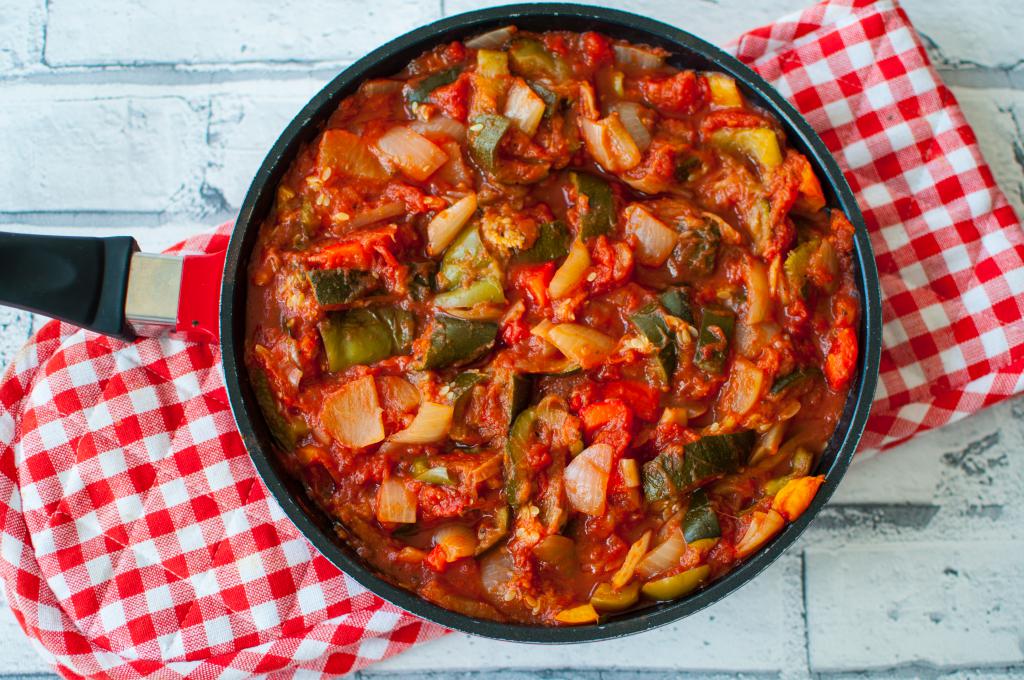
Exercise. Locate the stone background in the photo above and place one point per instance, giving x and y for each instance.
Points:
(149, 117)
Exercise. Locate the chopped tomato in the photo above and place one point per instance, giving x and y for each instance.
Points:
(643, 399)
(453, 98)
(842, 358)
(534, 280)
(597, 49)
(679, 93)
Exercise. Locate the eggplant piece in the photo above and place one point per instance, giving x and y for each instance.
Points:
(700, 521)
(340, 286)
(454, 340)
(420, 92)
(713, 340)
(599, 217)
(552, 244)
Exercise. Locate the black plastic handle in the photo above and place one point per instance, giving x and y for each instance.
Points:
(82, 280)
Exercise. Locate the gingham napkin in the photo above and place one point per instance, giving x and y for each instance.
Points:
(137, 540)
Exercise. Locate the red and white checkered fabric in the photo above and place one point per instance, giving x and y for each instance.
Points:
(136, 539)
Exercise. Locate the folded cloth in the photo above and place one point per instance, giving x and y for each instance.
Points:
(137, 541)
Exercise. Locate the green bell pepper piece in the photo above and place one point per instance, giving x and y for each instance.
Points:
(712, 349)
(469, 274)
(599, 217)
(365, 335)
(454, 340)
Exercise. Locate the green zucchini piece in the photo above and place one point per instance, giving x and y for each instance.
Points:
(529, 58)
(365, 335)
(420, 92)
(515, 396)
(657, 483)
(454, 340)
(700, 520)
(469, 274)
(462, 384)
(485, 134)
(599, 217)
(340, 286)
(713, 340)
(650, 320)
(697, 253)
(552, 244)
(794, 378)
(677, 303)
(551, 100)
(517, 467)
(421, 280)
(712, 456)
(285, 431)
(435, 475)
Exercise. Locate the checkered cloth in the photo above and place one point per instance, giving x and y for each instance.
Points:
(136, 539)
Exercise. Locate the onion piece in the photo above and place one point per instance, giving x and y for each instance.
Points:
(759, 298)
(570, 274)
(654, 240)
(763, 526)
(625, 572)
(496, 573)
(491, 39)
(352, 414)
(346, 153)
(413, 153)
(586, 479)
(610, 144)
(457, 541)
(629, 114)
(524, 107)
(385, 211)
(582, 344)
(395, 502)
(630, 471)
(637, 58)
(431, 424)
(440, 125)
(447, 224)
(666, 556)
(744, 387)
(397, 394)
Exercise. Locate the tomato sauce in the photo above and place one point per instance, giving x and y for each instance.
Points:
(552, 329)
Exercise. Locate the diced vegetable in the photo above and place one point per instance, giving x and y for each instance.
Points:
(585, 613)
(395, 502)
(794, 378)
(492, 63)
(582, 344)
(610, 143)
(664, 557)
(469, 274)
(352, 414)
(712, 349)
(794, 498)
(456, 540)
(514, 395)
(759, 299)
(496, 573)
(745, 386)
(411, 152)
(637, 58)
(438, 476)
(570, 274)
(454, 340)
(630, 471)
(552, 243)
(701, 461)
(524, 107)
(340, 286)
(700, 521)
(430, 425)
(286, 430)
(551, 100)
(440, 125)
(629, 114)
(697, 254)
(420, 93)
(384, 211)
(636, 553)
(447, 224)
(586, 479)
(760, 145)
(492, 529)
(677, 304)
(654, 240)
(558, 552)
(485, 133)
(517, 479)
(491, 40)
(365, 335)
(674, 587)
(607, 599)
(650, 320)
(724, 93)
(598, 215)
(762, 528)
(532, 60)
(348, 154)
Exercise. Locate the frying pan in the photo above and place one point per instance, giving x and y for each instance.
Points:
(106, 286)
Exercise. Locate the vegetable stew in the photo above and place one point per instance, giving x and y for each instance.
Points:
(552, 329)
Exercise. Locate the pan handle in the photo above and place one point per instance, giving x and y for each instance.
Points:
(107, 286)
(81, 280)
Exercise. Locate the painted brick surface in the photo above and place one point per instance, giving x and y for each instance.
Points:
(944, 604)
(21, 33)
(90, 32)
(121, 153)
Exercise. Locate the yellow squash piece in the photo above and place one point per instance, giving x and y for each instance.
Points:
(585, 613)
(678, 585)
(607, 599)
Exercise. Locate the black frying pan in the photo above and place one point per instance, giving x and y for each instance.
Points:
(88, 283)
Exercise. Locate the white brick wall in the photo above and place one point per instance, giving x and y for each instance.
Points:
(149, 117)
